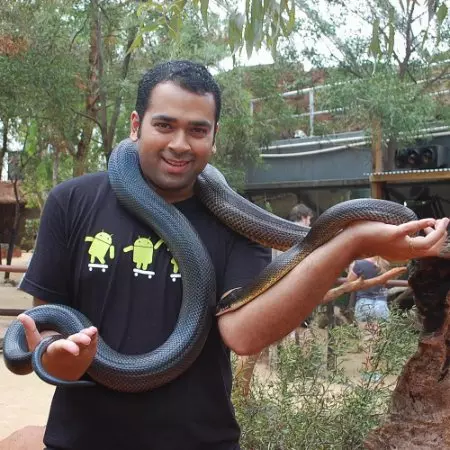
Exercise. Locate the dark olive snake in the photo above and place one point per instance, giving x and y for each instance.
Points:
(135, 373)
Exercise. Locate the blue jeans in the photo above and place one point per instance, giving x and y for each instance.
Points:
(371, 309)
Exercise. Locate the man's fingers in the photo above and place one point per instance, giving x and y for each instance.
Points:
(32, 334)
(415, 226)
(74, 343)
(91, 332)
(63, 345)
(433, 240)
(81, 339)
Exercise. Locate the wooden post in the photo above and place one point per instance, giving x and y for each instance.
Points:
(376, 188)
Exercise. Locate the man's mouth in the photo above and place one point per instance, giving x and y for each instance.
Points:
(176, 166)
(176, 162)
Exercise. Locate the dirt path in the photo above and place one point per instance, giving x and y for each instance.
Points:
(23, 400)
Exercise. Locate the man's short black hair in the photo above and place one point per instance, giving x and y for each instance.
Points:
(188, 75)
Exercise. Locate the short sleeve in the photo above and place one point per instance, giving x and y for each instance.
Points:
(246, 260)
(358, 268)
(47, 274)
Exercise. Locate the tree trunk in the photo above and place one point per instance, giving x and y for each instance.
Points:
(4, 148)
(376, 187)
(389, 161)
(377, 146)
(15, 230)
(80, 157)
(419, 416)
(109, 130)
(55, 168)
(92, 96)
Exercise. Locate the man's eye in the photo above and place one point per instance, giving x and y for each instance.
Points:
(199, 131)
(163, 126)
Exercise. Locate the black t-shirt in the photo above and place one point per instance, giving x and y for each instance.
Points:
(95, 256)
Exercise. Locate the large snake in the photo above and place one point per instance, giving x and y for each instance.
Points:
(135, 373)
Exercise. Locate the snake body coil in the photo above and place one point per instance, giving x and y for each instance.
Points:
(135, 373)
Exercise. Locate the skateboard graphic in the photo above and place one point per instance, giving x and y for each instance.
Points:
(103, 267)
(174, 276)
(138, 272)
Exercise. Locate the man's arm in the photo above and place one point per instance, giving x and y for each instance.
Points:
(276, 312)
(67, 359)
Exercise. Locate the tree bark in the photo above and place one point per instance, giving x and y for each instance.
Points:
(55, 168)
(92, 95)
(419, 415)
(390, 154)
(109, 130)
(4, 148)
(14, 232)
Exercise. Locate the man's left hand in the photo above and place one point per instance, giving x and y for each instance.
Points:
(399, 242)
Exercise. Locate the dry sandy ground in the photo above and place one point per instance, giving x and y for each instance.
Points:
(24, 400)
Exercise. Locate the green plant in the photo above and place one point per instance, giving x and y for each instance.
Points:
(301, 405)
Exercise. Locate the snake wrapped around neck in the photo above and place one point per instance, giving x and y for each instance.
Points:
(136, 373)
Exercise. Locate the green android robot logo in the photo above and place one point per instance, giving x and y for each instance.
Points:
(142, 252)
(101, 245)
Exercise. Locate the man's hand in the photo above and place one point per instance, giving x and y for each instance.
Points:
(67, 359)
(394, 242)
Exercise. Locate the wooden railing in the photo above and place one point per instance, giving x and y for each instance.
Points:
(13, 269)
(11, 312)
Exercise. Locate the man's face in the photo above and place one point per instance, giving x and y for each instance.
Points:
(176, 139)
(305, 220)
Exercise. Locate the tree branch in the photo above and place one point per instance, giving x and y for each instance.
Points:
(361, 283)
(87, 116)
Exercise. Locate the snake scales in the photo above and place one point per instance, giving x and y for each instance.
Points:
(135, 373)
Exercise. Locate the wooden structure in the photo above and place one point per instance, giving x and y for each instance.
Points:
(7, 211)
(379, 180)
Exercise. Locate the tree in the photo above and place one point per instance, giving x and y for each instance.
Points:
(383, 81)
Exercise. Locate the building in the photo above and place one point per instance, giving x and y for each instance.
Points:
(323, 171)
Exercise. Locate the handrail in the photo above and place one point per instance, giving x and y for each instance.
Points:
(13, 269)
(11, 312)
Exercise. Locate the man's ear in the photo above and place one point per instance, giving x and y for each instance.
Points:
(134, 126)
(216, 130)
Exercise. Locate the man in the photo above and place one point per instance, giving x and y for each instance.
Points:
(81, 259)
(301, 214)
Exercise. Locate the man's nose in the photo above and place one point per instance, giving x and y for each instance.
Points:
(179, 143)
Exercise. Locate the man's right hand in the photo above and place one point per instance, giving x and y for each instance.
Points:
(67, 359)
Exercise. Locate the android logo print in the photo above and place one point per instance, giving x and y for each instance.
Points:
(101, 246)
(143, 255)
(174, 275)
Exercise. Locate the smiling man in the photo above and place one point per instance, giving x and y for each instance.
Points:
(93, 255)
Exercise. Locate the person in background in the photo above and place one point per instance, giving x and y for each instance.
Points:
(371, 303)
(301, 214)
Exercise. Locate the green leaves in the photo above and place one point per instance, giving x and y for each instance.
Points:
(204, 10)
(375, 48)
(261, 21)
(441, 13)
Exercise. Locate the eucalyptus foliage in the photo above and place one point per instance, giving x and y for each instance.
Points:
(302, 406)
